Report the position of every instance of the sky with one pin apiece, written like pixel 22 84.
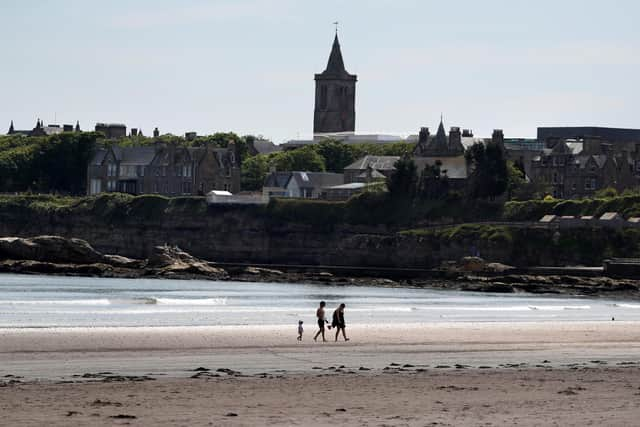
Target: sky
pixel 247 66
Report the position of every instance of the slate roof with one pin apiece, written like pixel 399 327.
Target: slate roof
pixel 316 179
pixel 374 175
pixel 134 155
pixel 264 146
pixel 277 179
pixel 379 163
pixel 99 156
pixel 335 65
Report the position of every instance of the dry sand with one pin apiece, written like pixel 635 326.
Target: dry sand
pixel 582 373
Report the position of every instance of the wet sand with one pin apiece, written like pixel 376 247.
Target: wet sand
pixel 577 373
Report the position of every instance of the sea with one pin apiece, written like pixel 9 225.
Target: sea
pixel 32 301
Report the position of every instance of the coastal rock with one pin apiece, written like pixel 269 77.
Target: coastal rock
pixel 49 249
pixel 172 261
pixel 473 264
pixel 258 271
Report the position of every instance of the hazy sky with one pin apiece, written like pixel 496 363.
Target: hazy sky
pixel 248 65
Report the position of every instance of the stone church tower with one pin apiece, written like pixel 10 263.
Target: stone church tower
pixel 335 109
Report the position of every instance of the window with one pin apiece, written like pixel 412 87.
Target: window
pixel 590 184
pixel 96 186
pixel 140 170
pixel 560 161
pixel 111 185
pixel 226 187
pixel 186 170
pixel 323 97
pixel 112 169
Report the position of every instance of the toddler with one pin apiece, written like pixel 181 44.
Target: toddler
pixel 300 330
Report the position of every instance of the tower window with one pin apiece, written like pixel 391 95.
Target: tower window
pixel 323 97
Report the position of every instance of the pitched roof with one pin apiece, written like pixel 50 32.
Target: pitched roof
pixel 134 155
pixel 277 179
pixel 264 146
pixel 99 156
pixel 374 175
pixel 316 179
pixel 379 163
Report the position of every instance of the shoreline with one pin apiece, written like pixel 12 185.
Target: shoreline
pixel 552 284
pixel 407 374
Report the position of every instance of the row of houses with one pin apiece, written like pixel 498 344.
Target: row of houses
pixel 166 169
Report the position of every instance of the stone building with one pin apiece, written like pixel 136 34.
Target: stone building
pixel 447 151
pixel 577 168
pixel 335 96
pixel 370 168
pixel 41 130
pixel 112 130
pixel 165 169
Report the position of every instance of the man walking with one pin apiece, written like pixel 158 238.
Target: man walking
pixel 321 321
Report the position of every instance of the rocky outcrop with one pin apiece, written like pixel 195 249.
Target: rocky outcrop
pixel 59 255
pixel 172 261
pixel 49 249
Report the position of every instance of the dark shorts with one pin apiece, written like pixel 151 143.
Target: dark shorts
pixel 320 323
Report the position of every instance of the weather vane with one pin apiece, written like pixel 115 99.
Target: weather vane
pixel 336 24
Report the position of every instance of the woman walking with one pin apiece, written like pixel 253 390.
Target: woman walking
pixel 338 322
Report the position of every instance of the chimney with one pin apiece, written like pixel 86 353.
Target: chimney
pixel 134 132
pixel 467 133
pixel 498 137
pixel 455 137
pixel 423 136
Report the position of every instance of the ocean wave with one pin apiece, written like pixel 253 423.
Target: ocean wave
pixel 620 305
pixel 184 301
pixel 559 307
pixel 102 301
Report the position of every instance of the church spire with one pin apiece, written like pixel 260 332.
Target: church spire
pixel 77 129
pixel 11 129
pixel 335 65
pixel 441 135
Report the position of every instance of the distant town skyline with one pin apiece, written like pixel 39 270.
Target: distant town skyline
pixel 248 66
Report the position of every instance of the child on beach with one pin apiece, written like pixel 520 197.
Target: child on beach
pixel 300 330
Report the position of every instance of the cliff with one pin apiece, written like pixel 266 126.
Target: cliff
pixel 296 233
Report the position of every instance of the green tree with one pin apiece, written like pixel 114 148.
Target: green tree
pixel 336 155
pixel 489 174
pixel 302 159
pixel 433 184
pixel 254 171
pixel 403 181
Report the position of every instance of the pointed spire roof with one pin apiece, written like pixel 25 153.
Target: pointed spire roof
pixel 335 65
pixel 441 135
pixel 11 129
pixel 77 126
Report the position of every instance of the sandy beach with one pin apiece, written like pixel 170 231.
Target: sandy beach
pixel 539 373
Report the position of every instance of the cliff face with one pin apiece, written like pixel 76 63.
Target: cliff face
pixel 252 234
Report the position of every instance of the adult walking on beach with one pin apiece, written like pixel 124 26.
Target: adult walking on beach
pixel 321 321
pixel 338 322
